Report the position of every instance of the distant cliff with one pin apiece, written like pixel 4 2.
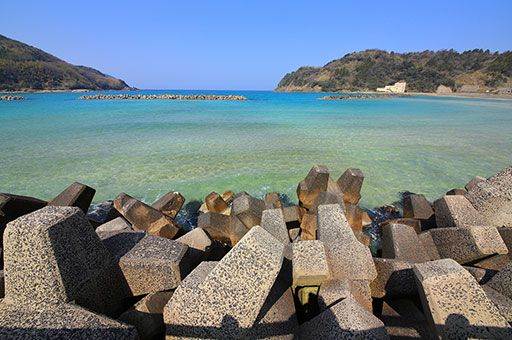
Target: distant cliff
pixel 25 68
pixel 423 71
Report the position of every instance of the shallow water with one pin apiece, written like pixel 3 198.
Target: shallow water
pixel 268 143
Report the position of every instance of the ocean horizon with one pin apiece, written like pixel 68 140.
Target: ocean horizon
pixel 268 143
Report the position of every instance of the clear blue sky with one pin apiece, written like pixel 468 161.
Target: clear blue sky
pixel 244 44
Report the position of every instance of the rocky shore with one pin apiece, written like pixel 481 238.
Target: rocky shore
pixel 162 97
pixel 12 98
pixel 259 268
pixel 349 96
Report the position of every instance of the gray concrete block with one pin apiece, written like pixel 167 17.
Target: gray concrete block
pixel 272 221
pixel 228 301
pixel 456 305
pixel 401 242
pixel 346 256
pixel 309 263
pixel 457 211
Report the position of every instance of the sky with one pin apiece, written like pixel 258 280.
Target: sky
pixel 246 45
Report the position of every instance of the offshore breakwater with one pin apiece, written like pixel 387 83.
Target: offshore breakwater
pixel 161 97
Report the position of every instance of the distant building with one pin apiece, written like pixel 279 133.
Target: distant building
pixel 398 87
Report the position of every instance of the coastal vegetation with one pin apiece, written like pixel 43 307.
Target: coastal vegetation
pixel 26 68
pixel 423 71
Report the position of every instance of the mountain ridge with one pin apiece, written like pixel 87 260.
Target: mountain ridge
pixel 423 71
pixel 27 68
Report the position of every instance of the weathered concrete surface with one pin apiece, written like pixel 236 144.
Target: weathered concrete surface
pixel 502 281
pixel 116 225
pixel 506 235
pixel 309 263
pixel 197 239
pixel 332 292
pixel 457 211
pixel 76 195
pixel 346 256
pixel 456 306
pixel 494 262
pixel 143 217
pixel 395 279
pixel 411 222
pixel 169 204
pixel 215 203
pixel 401 242
pixel 294 234
pixel 493 198
pixel 248 210
pixel 228 301
pixel 154 264
pixel 467 244
pixel 147 315
pixel 350 184
pixel 428 244
pixel 272 220
pixel 345 320
pixel 50 255
pixel 2 284
pixel 417 206
pixel 292 216
pixel 65 321
pixel 403 320
pixel 315 182
pixel 504 303
pixel 324 198
pixel 473 182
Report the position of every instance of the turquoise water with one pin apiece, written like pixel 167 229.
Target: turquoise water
pixel 268 143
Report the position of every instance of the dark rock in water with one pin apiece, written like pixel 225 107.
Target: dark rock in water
pixel 76 195
pixel 379 215
pixel 102 213
pixel 162 97
pixel 12 98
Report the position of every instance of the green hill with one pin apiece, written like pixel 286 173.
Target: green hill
pixel 423 71
pixel 25 68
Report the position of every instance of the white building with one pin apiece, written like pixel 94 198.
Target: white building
pixel 398 87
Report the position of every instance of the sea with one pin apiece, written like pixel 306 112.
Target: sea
pixel 146 148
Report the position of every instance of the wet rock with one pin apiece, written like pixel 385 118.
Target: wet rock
pixel 272 221
pixel 350 184
pixel 309 263
pixel 346 256
pixel 456 211
pixel 215 203
pixel 395 278
pixel 345 320
pixel 401 242
pixel 169 204
pixel 457 305
pixel 145 218
pixel 76 195
pixel 102 213
pixel 147 315
pixel 315 182
pixel 64 321
pixel 467 244
pixel 227 302
pixel 248 210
